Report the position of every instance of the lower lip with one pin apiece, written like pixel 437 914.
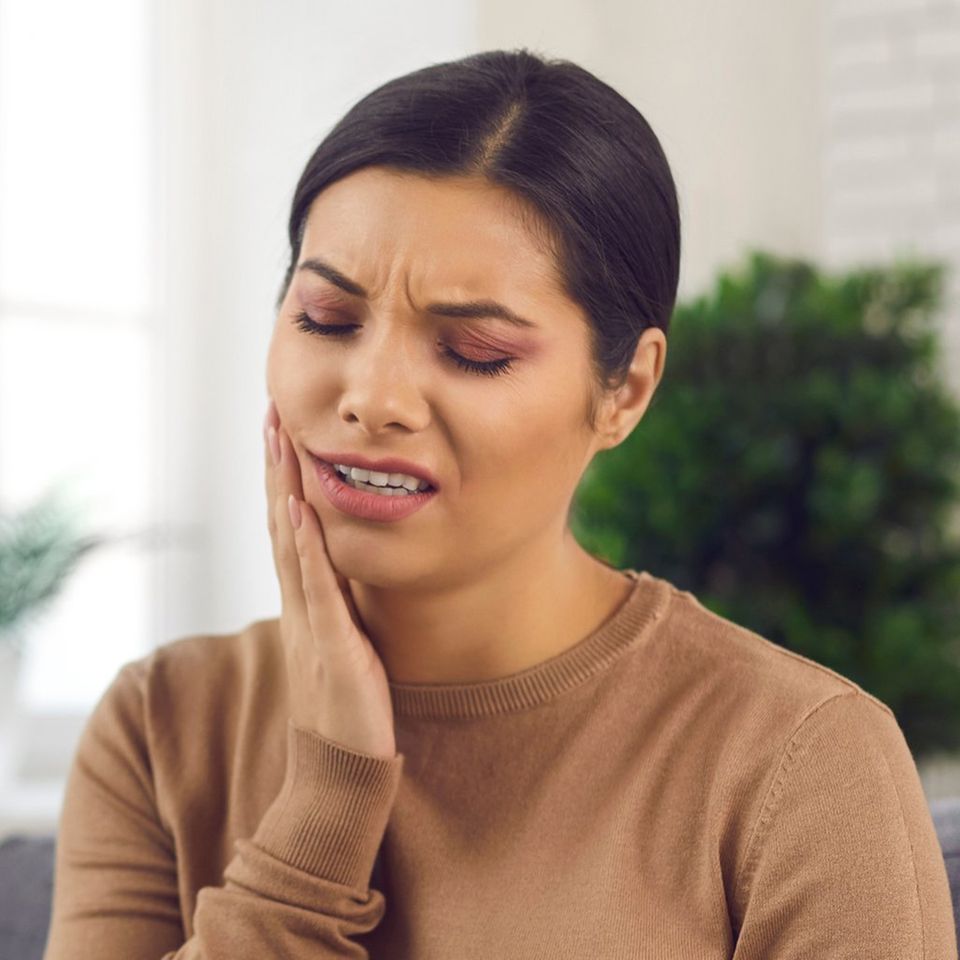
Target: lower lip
pixel 367 506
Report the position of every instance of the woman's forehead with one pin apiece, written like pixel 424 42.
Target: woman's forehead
pixel 462 235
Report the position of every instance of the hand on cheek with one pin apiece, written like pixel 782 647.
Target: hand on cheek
pixel 338 685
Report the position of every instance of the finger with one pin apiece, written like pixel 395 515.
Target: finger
pixel 328 606
pixel 272 419
pixel 287 481
pixel 269 477
pixel 342 582
pixel 291 463
pixel 271 457
pixel 347 592
pixel 272 416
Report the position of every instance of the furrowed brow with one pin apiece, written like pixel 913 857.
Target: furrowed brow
pixel 469 310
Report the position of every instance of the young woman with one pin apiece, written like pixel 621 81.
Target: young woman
pixel 465 736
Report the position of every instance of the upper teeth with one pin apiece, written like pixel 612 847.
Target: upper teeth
pixel 382 479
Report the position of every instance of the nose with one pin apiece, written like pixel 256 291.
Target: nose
pixel 382 381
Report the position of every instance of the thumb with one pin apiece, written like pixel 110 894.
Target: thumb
pixel 332 612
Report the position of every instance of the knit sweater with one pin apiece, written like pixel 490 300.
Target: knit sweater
pixel 672 786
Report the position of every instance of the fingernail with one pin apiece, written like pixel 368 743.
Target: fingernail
pixel 294 511
pixel 274 442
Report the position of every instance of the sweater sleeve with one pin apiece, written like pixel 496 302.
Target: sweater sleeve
pixel 844 861
pixel 297 888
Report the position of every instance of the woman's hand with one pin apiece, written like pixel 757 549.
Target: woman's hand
pixel 338 685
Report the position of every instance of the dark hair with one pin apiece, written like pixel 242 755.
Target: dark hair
pixel 599 193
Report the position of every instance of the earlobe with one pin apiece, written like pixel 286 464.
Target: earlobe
pixel 612 439
pixel 609 431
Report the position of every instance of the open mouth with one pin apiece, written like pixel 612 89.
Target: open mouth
pixel 368 501
pixel 384 490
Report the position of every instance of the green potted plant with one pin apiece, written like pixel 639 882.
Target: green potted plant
pixel 40 546
pixel 797 470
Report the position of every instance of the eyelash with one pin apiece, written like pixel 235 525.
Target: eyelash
pixel 491 368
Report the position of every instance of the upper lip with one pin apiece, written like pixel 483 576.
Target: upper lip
pixel 386 465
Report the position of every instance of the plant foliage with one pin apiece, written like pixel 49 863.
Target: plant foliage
pixel 797 471
pixel 39 549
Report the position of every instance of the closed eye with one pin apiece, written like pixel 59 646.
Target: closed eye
pixel 489 368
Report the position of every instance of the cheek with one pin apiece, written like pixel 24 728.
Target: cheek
pixel 282 374
pixel 537 460
pixel 291 374
pixel 506 454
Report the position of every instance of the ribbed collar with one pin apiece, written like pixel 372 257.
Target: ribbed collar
pixel 627 626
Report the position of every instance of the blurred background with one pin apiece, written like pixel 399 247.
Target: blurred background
pixel 148 155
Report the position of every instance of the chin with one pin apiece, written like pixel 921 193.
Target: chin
pixel 388 566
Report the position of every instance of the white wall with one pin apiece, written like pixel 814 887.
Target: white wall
pixel 732 91
pixel 892 149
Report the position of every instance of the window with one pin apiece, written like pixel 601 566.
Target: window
pixel 76 335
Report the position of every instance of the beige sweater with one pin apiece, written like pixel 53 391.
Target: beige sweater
pixel 673 786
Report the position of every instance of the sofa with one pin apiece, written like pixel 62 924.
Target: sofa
pixel 26 882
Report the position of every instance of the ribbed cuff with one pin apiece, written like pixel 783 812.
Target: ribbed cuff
pixel 331 812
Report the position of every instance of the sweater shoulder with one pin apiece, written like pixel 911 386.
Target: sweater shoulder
pixel 752 664
pixel 225 650
pixel 211 682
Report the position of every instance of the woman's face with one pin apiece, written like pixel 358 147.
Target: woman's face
pixel 508 449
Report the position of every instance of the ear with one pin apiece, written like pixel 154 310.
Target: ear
pixel 623 410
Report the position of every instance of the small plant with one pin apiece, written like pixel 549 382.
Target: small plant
pixel 39 548
pixel 797 471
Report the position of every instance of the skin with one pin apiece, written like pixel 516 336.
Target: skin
pixel 487 579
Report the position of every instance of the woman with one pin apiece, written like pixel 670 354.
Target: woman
pixel 465 736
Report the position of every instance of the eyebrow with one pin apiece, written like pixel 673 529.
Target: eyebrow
pixel 471 309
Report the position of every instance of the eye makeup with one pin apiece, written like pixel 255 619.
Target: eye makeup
pixel 484 368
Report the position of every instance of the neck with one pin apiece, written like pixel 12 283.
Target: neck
pixel 517 614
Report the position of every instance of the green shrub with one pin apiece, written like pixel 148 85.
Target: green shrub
pixel 797 471
pixel 40 548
